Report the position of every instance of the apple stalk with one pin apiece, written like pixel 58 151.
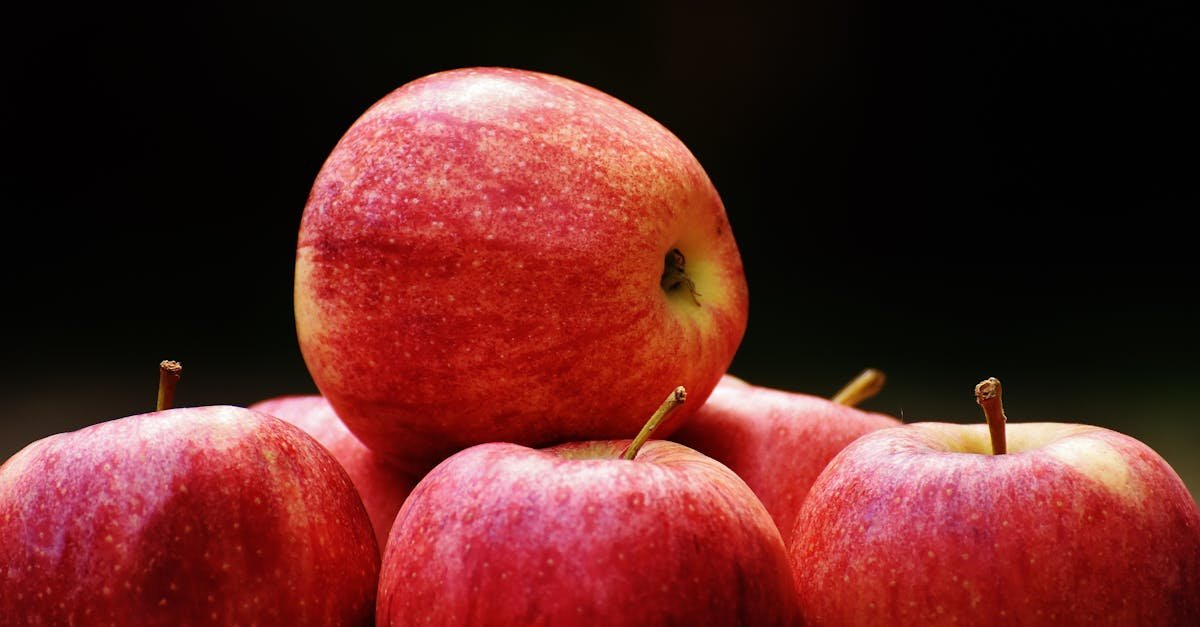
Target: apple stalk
pixel 987 395
pixel 868 383
pixel 674 400
pixel 168 378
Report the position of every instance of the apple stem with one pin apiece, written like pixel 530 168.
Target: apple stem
pixel 675 399
pixel 868 383
pixel 987 394
pixel 168 377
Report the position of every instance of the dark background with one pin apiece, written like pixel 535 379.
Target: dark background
pixel 944 192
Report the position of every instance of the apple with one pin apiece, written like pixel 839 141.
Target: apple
pixel 489 248
pixel 198 515
pixel 595 533
pixel 1030 524
pixel 778 441
pixel 381 486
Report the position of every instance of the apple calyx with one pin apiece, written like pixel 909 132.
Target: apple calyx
pixel 674 277
pixel 987 395
pixel 674 400
pixel 868 383
pixel 168 377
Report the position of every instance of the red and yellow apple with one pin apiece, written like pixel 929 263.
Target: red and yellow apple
pixel 1034 524
pixel 382 486
pixel 493 254
pixel 777 441
pixel 204 515
pixel 585 533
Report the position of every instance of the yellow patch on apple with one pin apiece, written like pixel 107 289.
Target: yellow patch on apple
pixel 1099 462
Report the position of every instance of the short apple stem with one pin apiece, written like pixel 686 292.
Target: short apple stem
pixel 168 377
pixel 987 394
pixel 868 383
pixel 674 400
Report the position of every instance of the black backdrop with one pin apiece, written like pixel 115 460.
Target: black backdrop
pixel 945 192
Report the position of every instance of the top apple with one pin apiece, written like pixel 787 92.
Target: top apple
pixel 492 254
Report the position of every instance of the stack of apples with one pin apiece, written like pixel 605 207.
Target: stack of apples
pixel 499 276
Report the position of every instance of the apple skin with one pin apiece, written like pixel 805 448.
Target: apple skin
pixel 382 486
pixel 183 517
pixel 921 525
pixel 484 249
pixel 501 534
pixel 775 440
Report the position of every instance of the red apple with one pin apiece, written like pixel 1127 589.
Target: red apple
pixel 577 534
pixel 205 515
pixel 923 525
pixel 775 440
pixel 382 486
pixel 488 248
